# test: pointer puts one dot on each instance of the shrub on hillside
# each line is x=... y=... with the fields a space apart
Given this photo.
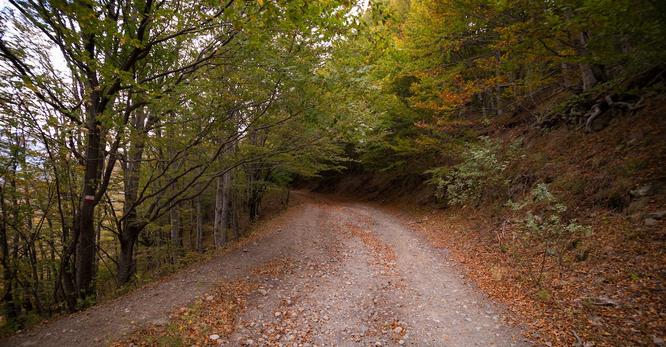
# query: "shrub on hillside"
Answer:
x=481 y=168
x=546 y=220
x=546 y=215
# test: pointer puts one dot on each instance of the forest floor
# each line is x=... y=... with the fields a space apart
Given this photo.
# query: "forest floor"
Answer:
x=324 y=272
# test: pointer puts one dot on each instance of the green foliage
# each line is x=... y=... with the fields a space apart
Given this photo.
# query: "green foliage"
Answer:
x=481 y=168
x=169 y=341
x=543 y=294
x=546 y=216
x=418 y=68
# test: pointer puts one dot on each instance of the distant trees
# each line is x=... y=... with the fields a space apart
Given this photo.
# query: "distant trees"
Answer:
x=118 y=114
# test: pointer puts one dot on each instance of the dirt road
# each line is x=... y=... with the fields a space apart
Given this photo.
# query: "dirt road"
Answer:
x=357 y=277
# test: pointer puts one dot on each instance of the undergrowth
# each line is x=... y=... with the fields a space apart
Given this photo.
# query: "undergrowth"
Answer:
x=480 y=170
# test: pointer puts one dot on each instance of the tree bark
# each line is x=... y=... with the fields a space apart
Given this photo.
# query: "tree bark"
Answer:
x=126 y=261
x=198 y=243
x=234 y=213
x=257 y=187
x=498 y=85
x=591 y=74
x=85 y=245
x=176 y=227
x=226 y=201
x=253 y=204
x=587 y=76
x=10 y=309
x=131 y=227
x=219 y=226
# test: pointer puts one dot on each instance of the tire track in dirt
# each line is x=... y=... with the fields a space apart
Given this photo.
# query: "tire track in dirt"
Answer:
x=376 y=284
x=439 y=306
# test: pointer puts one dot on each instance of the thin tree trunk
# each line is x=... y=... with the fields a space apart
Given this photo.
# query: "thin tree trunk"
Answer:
x=226 y=201
x=591 y=74
x=198 y=225
x=219 y=228
x=287 y=197
x=176 y=227
x=235 y=216
x=498 y=86
x=587 y=76
x=10 y=310
x=193 y=225
x=131 y=227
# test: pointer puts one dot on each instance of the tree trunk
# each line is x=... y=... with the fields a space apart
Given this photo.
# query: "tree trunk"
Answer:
x=126 y=261
x=198 y=243
x=219 y=228
x=176 y=227
x=10 y=310
x=66 y=284
x=131 y=227
x=587 y=76
x=257 y=187
x=256 y=138
x=253 y=204
x=85 y=245
x=226 y=201
x=498 y=85
x=591 y=74
x=235 y=212
x=285 y=202
x=85 y=251
x=193 y=225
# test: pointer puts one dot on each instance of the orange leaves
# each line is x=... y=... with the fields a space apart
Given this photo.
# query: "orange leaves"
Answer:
x=210 y=318
x=381 y=249
x=451 y=98
x=273 y=268
x=600 y=299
